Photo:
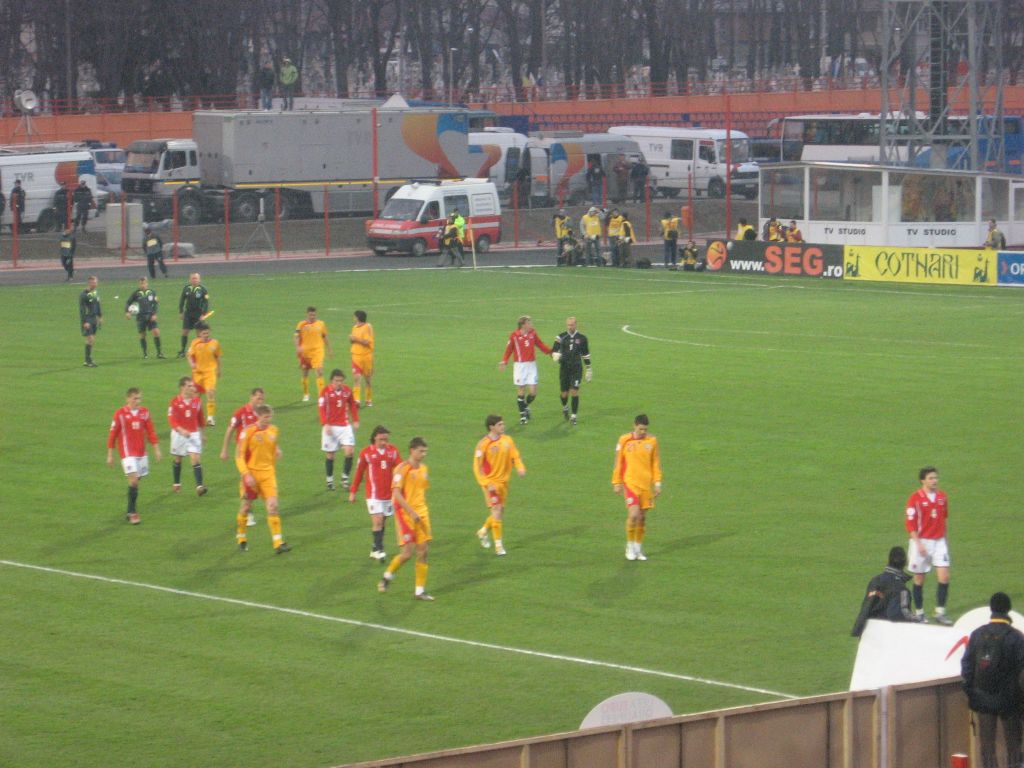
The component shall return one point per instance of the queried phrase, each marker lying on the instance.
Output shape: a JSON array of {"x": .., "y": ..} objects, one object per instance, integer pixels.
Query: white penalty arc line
[{"x": 395, "y": 630}]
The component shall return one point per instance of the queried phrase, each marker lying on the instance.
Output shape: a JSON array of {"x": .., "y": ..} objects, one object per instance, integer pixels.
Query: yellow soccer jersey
[
  {"x": 363, "y": 331},
  {"x": 205, "y": 354},
  {"x": 413, "y": 483},
  {"x": 257, "y": 449},
  {"x": 637, "y": 462},
  {"x": 493, "y": 460},
  {"x": 311, "y": 336}
]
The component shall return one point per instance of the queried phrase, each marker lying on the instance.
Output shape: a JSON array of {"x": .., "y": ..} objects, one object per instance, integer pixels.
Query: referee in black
[
  {"x": 572, "y": 351},
  {"x": 192, "y": 306}
]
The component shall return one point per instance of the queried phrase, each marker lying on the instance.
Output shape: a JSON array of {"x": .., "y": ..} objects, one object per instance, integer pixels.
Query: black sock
[
  {"x": 348, "y": 465},
  {"x": 197, "y": 470},
  {"x": 378, "y": 540},
  {"x": 88, "y": 353},
  {"x": 329, "y": 467},
  {"x": 565, "y": 399},
  {"x": 575, "y": 403},
  {"x": 941, "y": 594},
  {"x": 156, "y": 340},
  {"x": 145, "y": 346},
  {"x": 133, "y": 495},
  {"x": 184, "y": 341},
  {"x": 521, "y": 402},
  {"x": 176, "y": 467},
  {"x": 918, "y": 596},
  {"x": 530, "y": 399}
]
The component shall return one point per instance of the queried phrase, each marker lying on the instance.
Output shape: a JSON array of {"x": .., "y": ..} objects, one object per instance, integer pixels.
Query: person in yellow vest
[
  {"x": 995, "y": 241},
  {"x": 627, "y": 235},
  {"x": 563, "y": 232},
  {"x": 745, "y": 232},
  {"x": 793, "y": 233},
  {"x": 614, "y": 234},
  {"x": 773, "y": 231},
  {"x": 670, "y": 238},
  {"x": 288, "y": 78},
  {"x": 590, "y": 228}
]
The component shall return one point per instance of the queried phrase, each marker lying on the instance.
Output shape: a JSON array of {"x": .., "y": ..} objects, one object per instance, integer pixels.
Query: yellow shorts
[
  {"x": 640, "y": 498},
  {"x": 362, "y": 365},
  {"x": 497, "y": 496},
  {"x": 408, "y": 531},
  {"x": 313, "y": 359},
  {"x": 266, "y": 486},
  {"x": 205, "y": 381}
]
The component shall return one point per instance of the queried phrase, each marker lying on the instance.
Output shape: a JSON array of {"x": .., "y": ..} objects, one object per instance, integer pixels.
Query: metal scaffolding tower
[{"x": 942, "y": 59}]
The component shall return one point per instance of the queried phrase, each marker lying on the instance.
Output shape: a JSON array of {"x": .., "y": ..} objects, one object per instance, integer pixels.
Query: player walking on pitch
[
  {"x": 90, "y": 316},
  {"x": 571, "y": 351},
  {"x": 185, "y": 417},
  {"x": 242, "y": 418},
  {"x": 204, "y": 358},
  {"x": 412, "y": 517},
  {"x": 146, "y": 305},
  {"x": 311, "y": 344},
  {"x": 522, "y": 345},
  {"x": 256, "y": 457},
  {"x": 637, "y": 476},
  {"x": 362, "y": 350},
  {"x": 339, "y": 418},
  {"x": 130, "y": 428},
  {"x": 193, "y": 307},
  {"x": 377, "y": 462},
  {"x": 927, "y": 510},
  {"x": 495, "y": 456}
]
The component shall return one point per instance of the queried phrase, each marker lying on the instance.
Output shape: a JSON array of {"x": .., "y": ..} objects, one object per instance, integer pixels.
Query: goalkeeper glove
[{"x": 588, "y": 375}]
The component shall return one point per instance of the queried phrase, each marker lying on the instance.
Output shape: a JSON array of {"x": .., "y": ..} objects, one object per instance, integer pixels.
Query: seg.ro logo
[{"x": 794, "y": 260}]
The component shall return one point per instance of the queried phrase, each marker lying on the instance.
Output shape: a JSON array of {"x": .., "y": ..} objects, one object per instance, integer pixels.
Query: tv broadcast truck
[
  {"x": 43, "y": 169},
  {"x": 251, "y": 155}
]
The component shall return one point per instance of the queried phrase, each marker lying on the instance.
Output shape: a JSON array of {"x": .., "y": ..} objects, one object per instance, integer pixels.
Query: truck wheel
[
  {"x": 483, "y": 244},
  {"x": 670, "y": 192},
  {"x": 190, "y": 210},
  {"x": 419, "y": 247},
  {"x": 716, "y": 188},
  {"x": 47, "y": 221},
  {"x": 245, "y": 208}
]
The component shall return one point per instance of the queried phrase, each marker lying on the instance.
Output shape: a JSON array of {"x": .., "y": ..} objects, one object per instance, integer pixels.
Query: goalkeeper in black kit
[{"x": 571, "y": 351}]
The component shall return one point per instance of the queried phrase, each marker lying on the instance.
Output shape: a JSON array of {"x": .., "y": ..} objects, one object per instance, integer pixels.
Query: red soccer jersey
[
  {"x": 926, "y": 517},
  {"x": 379, "y": 468},
  {"x": 522, "y": 345},
  {"x": 129, "y": 430},
  {"x": 185, "y": 414},
  {"x": 337, "y": 407},
  {"x": 243, "y": 417}
]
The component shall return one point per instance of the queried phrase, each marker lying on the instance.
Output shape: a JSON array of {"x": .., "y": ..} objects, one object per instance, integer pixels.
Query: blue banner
[{"x": 1011, "y": 268}]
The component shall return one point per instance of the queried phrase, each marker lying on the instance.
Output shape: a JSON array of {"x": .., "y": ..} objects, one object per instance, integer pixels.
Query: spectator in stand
[
  {"x": 265, "y": 80},
  {"x": 288, "y": 78}
]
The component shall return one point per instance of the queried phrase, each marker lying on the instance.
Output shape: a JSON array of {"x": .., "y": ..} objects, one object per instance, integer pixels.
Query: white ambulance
[
  {"x": 42, "y": 170},
  {"x": 412, "y": 217}
]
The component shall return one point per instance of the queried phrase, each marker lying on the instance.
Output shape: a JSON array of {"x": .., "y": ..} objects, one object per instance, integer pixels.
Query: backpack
[
  {"x": 643, "y": 263},
  {"x": 991, "y": 679}
]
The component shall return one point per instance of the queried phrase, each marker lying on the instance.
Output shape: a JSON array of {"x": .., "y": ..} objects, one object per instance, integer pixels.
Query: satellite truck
[{"x": 247, "y": 157}]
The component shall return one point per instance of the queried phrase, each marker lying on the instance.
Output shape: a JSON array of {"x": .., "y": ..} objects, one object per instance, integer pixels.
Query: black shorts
[
  {"x": 188, "y": 321},
  {"x": 146, "y": 323},
  {"x": 570, "y": 376},
  {"x": 93, "y": 324}
]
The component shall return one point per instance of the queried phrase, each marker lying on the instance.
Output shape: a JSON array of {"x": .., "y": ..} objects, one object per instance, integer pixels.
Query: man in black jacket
[
  {"x": 887, "y": 596},
  {"x": 990, "y": 668}
]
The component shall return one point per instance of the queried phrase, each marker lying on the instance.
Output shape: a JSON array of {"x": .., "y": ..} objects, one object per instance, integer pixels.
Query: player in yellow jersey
[
  {"x": 412, "y": 516},
  {"x": 204, "y": 357},
  {"x": 637, "y": 476},
  {"x": 256, "y": 458},
  {"x": 362, "y": 358},
  {"x": 495, "y": 456},
  {"x": 311, "y": 343}
]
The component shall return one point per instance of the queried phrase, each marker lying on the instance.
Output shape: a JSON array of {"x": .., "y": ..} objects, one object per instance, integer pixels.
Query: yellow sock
[
  {"x": 305, "y": 385},
  {"x": 396, "y": 563},
  {"x": 630, "y": 530},
  {"x": 421, "y": 575},
  {"x": 641, "y": 529},
  {"x": 241, "y": 522},
  {"x": 319, "y": 384},
  {"x": 355, "y": 393},
  {"x": 488, "y": 523},
  {"x": 369, "y": 393},
  {"x": 211, "y": 408},
  {"x": 496, "y": 529},
  {"x": 274, "y": 524}
]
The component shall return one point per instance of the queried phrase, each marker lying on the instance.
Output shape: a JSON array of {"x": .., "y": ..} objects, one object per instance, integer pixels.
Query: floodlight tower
[{"x": 941, "y": 58}]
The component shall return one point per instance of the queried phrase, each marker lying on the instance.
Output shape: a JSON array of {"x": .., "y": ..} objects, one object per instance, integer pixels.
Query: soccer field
[{"x": 793, "y": 416}]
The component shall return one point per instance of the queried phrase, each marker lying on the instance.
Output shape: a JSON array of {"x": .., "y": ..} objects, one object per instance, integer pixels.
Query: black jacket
[
  {"x": 887, "y": 598},
  {"x": 1006, "y": 697}
]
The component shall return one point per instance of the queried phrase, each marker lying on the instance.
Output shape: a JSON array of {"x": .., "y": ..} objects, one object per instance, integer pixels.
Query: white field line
[{"x": 395, "y": 630}]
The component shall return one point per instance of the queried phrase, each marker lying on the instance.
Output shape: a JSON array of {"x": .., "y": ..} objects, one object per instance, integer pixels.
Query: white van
[
  {"x": 502, "y": 151},
  {"x": 412, "y": 217},
  {"x": 43, "y": 169},
  {"x": 558, "y": 160},
  {"x": 678, "y": 157}
]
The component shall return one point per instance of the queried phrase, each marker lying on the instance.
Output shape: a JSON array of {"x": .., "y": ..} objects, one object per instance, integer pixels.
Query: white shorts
[
  {"x": 380, "y": 507},
  {"x": 180, "y": 446},
  {"x": 333, "y": 436},
  {"x": 936, "y": 554},
  {"x": 135, "y": 465},
  {"x": 524, "y": 374}
]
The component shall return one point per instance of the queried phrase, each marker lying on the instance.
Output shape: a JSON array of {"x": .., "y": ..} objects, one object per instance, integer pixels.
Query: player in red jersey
[
  {"x": 339, "y": 418},
  {"x": 522, "y": 344},
  {"x": 185, "y": 416},
  {"x": 130, "y": 428},
  {"x": 377, "y": 461},
  {"x": 927, "y": 510}
]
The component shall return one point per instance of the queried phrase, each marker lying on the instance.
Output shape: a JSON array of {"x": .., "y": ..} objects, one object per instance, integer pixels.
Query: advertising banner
[
  {"x": 941, "y": 266},
  {"x": 751, "y": 256},
  {"x": 1011, "y": 268}
]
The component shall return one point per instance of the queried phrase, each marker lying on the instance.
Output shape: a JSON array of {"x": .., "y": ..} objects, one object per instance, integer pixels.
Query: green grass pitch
[{"x": 793, "y": 417}]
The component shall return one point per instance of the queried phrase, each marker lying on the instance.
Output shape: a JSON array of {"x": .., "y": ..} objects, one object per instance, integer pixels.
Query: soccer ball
[{"x": 133, "y": 309}]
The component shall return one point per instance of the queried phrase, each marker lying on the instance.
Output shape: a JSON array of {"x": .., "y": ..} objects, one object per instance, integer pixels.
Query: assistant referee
[{"x": 572, "y": 351}]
